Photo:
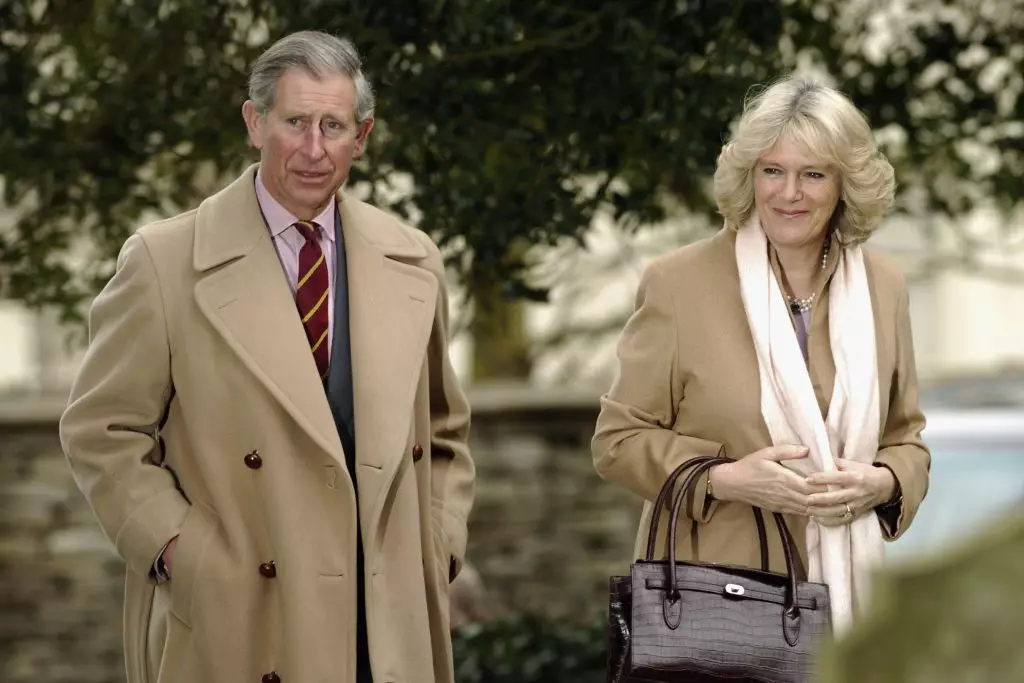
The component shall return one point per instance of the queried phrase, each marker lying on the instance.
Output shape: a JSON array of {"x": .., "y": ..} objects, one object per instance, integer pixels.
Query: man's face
[{"x": 307, "y": 140}]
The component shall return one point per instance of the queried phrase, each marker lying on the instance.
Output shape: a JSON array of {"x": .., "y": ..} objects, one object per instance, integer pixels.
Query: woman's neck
[{"x": 800, "y": 268}]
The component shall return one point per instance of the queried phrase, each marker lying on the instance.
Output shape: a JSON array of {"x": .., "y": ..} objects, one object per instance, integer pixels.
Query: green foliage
[
  {"x": 529, "y": 649},
  {"x": 948, "y": 88},
  {"x": 514, "y": 121},
  {"x": 497, "y": 110},
  {"x": 952, "y": 618}
]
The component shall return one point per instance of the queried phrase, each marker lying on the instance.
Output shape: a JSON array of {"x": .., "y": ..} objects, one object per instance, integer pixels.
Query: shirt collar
[{"x": 280, "y": 219}]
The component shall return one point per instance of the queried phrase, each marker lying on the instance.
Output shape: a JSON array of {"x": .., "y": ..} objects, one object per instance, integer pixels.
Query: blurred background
[{"x": 551, "y": 149}]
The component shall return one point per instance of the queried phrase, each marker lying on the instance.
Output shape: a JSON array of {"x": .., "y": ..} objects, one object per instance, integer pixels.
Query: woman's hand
[
  {"x": 854, "y": 489},
  {"x": 759, "y": 480}
]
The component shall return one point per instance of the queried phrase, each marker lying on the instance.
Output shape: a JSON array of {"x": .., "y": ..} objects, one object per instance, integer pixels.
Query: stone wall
[
  {"x": 545, "y": 533},
  {"x": 60, "y": 582}
]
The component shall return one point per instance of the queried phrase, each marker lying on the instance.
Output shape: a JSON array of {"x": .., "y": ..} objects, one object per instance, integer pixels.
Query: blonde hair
[{"x": 830, "y": 127}]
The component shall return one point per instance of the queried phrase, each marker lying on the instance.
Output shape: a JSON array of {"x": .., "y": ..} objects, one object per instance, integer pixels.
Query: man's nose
[{"x": 313, "y": 143}]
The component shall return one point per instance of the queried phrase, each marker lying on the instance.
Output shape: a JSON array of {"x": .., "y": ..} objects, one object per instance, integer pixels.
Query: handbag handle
[
  {"x": 662, "y": 500},
  {"x": 666, "y": 490},
  {"x": 791, "y": 610}
]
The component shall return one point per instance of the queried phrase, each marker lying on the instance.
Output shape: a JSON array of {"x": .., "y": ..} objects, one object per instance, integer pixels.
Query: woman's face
[{"x": 795, "y": 195}]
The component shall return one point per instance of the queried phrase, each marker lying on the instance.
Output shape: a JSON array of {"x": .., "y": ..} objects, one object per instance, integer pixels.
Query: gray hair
[
  {"x": 829, "y": 126},
  {"x": 318, "y": 54}
]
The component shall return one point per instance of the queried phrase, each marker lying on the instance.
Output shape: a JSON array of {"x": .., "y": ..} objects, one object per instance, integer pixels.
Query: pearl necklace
[{"x": 803, "y": 305}]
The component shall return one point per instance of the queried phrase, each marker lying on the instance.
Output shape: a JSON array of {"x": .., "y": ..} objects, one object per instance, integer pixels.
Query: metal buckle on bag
[{"x": 734, "y": 589}]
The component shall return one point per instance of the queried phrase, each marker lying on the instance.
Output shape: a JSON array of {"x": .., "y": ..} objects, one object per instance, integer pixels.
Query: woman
[{"x": 783, "y": 344}]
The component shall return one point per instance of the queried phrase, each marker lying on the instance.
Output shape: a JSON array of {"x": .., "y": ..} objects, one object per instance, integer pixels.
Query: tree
[
  {"x": 500, "y": 125},
  {"x": 495, "y": 111},
  {"x": 940, "y": 81}
]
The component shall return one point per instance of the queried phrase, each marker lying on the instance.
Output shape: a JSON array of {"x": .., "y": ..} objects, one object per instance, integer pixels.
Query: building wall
[{"x": 966, "y": 285}]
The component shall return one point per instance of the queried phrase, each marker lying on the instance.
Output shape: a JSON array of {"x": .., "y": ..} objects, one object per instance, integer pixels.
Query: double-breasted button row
[
  {"x": 417, "y": 453},
  {"x": 253, "y": 460},
  {"x": 268, "y": 570},
  {"x": 271, "y": 677}
]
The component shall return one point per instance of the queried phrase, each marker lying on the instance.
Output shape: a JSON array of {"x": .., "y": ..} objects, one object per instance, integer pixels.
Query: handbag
[{"x": 688, "y": 622}]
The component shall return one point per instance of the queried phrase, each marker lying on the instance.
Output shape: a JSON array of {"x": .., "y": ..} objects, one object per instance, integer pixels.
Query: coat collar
[
  {"x": 243, "y": 294},
  {"x": 229, "y": 225}
]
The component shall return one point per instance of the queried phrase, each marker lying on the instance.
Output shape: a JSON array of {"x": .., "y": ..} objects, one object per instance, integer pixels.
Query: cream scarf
[{"x": 840, "y": 556}]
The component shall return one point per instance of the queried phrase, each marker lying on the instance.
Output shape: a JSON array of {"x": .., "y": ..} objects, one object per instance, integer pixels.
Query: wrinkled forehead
[{"x": 301, "y": 93}]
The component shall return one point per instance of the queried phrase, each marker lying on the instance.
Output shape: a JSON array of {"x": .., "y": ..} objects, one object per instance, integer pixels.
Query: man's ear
[
  {"x": 362, "y": 136},
  {"x": 254, "y": 122}
]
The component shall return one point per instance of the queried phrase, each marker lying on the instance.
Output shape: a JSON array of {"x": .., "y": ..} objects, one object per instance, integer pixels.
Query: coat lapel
[
  {"x": 391, "y": 309},
  {"x": 392, "y": 299},
  {"x": 245, "y": 297}
]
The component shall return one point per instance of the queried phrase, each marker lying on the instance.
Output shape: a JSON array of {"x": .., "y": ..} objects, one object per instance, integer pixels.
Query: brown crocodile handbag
[{"x": 689, "y": 622}]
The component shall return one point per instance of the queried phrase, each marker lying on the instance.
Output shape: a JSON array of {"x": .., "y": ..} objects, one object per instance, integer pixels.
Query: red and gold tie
[{"x": 311, "y": 295}]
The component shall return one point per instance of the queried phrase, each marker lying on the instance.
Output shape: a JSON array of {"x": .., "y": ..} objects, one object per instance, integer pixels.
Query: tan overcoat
[
  {"x": 198, "y": 327},
  {"x": 688, "y": 385}
]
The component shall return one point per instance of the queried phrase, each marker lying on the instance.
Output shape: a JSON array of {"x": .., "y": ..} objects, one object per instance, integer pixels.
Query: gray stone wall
[
  {"x": 545, "y": 533},
  {"x": 60, "y": 582}
]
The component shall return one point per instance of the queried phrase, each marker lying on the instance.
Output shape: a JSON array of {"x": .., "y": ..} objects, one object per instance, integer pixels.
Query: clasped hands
[{"x": 831, "y": 498}]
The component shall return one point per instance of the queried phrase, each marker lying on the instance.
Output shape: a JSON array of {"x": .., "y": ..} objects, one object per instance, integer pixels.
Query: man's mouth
[{"x": 311, "y": 175}]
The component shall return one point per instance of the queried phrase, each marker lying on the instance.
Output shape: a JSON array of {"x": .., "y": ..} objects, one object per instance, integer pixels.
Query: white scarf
[{"x": 840, "y": 556}]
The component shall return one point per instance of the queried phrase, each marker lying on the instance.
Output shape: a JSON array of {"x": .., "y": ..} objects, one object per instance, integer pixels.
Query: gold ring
[{"x": 849, "y": 513}]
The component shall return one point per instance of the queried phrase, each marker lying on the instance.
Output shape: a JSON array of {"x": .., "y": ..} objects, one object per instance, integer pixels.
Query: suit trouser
[{"x": 363, "y": 672}]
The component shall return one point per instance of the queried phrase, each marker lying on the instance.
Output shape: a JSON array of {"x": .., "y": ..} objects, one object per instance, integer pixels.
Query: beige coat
[
  {"x": 199, "y": 325},
  {"x": 688, "y": 385}
]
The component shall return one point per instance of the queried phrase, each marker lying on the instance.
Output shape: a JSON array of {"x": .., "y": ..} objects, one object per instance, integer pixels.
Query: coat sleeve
[
  {"x": 452, "y": 468},
  {"x": 901, "y": 448},
  {"x": 109, "y": 428},
  {"x": 634, "y": 443}
]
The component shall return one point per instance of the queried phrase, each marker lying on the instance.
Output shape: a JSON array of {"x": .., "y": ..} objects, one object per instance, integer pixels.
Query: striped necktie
[{"x": 311, "y": 295}]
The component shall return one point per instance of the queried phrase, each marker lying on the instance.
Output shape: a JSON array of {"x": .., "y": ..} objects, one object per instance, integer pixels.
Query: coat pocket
[
  {"x": 442, "y": 552},
  {"x": 138, "y": 606},
  {"x": 189, "y": 553}
]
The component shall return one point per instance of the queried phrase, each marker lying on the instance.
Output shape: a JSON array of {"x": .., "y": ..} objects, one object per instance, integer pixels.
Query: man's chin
[{"x": 310, "y": 190}]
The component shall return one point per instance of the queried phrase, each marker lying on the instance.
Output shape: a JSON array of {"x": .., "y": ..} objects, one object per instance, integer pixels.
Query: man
[{"x": 267, "y": 423}]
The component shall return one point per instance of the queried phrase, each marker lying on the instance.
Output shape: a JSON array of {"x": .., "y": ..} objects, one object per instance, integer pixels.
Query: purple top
[{"x": 803, "y": 322}]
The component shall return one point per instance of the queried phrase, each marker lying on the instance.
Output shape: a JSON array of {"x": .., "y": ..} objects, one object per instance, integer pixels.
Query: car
[{"x": 977, "y": 475}]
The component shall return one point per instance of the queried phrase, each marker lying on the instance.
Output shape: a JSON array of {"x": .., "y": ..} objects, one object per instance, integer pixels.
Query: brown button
[
  {"x": 253, "y": 461},
  {"x": 268, "y": 570},
  {"x": 271, "y": 677},
  {"x": 417, "y": 452}
]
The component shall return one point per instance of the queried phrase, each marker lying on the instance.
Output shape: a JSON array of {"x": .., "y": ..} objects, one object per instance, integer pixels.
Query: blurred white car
[{"x": 977, "y": 474}]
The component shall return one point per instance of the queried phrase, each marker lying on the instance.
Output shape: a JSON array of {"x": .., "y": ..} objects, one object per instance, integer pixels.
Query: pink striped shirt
[{"x": 288, "y": 241}]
